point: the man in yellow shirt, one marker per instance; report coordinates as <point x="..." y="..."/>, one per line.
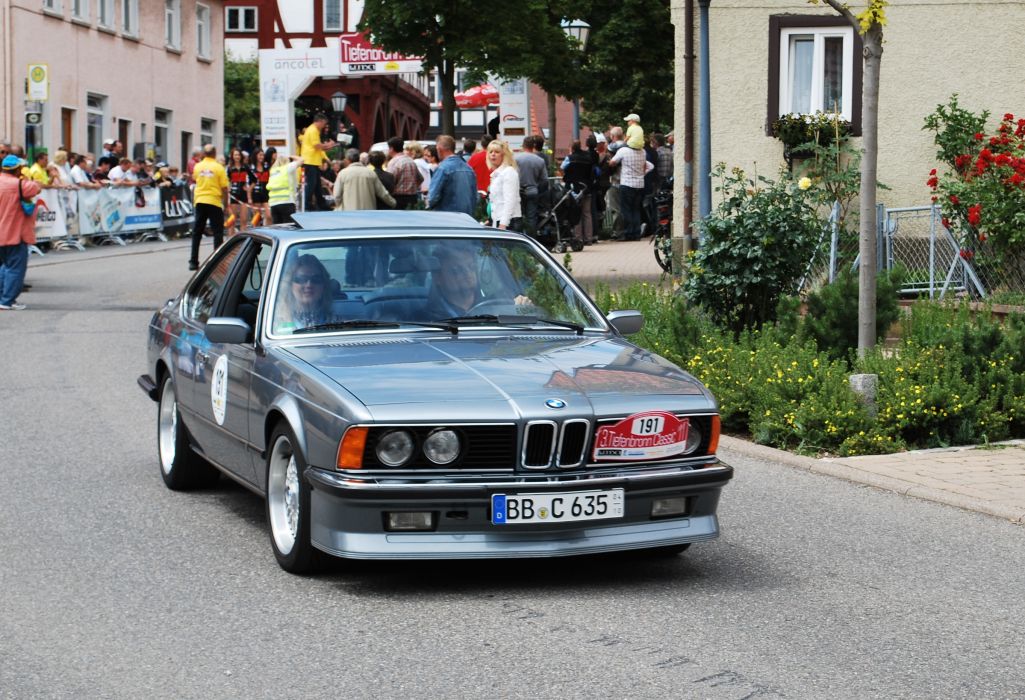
<point x="312" y="151"/>
<point x="210" y="196"/>
<point x="38" y="170"/>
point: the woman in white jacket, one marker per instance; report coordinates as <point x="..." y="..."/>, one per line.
<point x="504" y="190"/>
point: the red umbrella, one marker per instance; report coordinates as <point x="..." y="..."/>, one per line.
<point x="479" y="96"/>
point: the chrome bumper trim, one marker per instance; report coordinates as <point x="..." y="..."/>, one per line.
<point x="321" y="478"/>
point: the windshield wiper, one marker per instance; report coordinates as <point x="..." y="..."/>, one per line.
<point x="368" y="323"/>
<point x="512" y="320"/>
<point x="341" y="325"/>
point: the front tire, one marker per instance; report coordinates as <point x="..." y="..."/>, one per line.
<point x="288" y="505"/>
<point x="664" y="253"/>
<point x="180" y="467"/>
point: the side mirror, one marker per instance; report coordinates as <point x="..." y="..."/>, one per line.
<point x="627" y="322"/>
<point x="231" y="331"/>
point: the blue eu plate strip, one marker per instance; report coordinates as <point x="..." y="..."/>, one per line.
<point x="498" y="508"/>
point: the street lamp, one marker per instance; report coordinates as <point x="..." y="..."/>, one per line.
<point x="338" y="101"/>
<point x="578" y="30"/>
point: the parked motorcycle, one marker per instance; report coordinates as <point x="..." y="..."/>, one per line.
<point x="662" y="238"/>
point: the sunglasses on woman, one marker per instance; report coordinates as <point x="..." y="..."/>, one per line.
<point x="303" y="279"/>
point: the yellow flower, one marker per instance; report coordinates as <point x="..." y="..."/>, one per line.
<point x="804" y="183"/>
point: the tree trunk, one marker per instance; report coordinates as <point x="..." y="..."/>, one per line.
<point x="551" y="124"/>
<point x="446" y="74"/>
<point x="868" y="235"/>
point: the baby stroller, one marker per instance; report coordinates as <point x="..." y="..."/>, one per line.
<point x="558" y="213"/>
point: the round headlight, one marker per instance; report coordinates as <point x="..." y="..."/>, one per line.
<point x="442" y="446"/>
<point x="395" y="448"/>
<point x="693" y="439"/>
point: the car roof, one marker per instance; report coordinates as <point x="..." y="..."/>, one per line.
<point x="375" y="221"/>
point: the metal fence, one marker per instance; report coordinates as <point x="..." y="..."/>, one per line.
<point x="937" y="262"/>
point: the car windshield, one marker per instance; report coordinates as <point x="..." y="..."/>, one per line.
<point x="334" y="285"/>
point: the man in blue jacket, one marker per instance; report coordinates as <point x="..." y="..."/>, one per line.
<point x="453" y="184"/>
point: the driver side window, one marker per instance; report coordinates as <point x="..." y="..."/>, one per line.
<point x="202" y="295"/>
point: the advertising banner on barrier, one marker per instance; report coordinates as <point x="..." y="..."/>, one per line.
<point x="116" y="210"/>
<point x="50" y="221"/>
<point x="176" y="208"/>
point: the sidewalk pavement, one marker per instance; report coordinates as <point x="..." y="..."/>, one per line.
<point x="987" y="479"/>
<point x="614" y="263"/>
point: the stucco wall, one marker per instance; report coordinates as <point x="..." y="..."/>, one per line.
<point x="137" y="76"/>
<point x="932" y="50"/>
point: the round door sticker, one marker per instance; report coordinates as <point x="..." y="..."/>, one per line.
<point x="219" y="389"/>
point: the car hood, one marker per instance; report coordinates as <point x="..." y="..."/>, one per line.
<point x="519" y="371"/>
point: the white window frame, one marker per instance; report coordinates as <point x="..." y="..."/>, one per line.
<point x="53" y="7"/>
<point x="105" y="14"/>
<point x="80" y="10"/>
<point x="341" y="16"/>
<point x="95" y="146"/>
<point x="163" y="120"/>
<point x="207" y="129"/>
<point x="130" y="17"/>
<point x="240" y="19"/>
<point x="818" y="34"/>
<point x="204" y="35"/>
<point x="173" y="24"/>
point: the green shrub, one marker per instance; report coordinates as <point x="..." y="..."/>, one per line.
<point x="832" y="316"/>
<point x="755" y="248"/>
<point x="957" y="377"/>
<point x="802" y="400"/>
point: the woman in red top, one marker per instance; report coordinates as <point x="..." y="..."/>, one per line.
<point x="240" y="181"/>
<point x="17" y="231"/>
<point x="260" y="196"/>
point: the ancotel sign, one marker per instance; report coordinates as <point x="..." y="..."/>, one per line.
<point x="300" y="63"/>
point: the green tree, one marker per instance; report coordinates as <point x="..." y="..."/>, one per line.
<point x="629" y="65"/>
<point x="501" y="38"/>
<point x="241" y="97"/>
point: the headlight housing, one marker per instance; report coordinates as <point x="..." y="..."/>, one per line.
<point x="395" y="448"/>
<point x="694" y="438"/>
<point x="442" y="446"/>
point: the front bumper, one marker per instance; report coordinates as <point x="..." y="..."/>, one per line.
<point x="348" y="516"/>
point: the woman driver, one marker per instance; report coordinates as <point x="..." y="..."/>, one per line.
<point x="305" y="299"/>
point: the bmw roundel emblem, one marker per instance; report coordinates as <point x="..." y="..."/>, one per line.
<point x="555" y="403"/>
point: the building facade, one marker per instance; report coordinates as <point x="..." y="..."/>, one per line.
<point x="376" y="108"/>
<point x="406" y="105"/>
<point x="769" y="59"/>
<point x="147" y="72"/>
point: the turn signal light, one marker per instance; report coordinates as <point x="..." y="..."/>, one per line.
<point x="713" y="440"/>
<point x="350" y="449"/>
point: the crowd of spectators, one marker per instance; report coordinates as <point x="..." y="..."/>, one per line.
<point x="615" y="172"/>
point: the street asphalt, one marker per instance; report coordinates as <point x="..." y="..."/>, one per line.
<point x="987" y="479"/>
<point x="113" y="586"/>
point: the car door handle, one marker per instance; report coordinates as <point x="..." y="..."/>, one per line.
<point x="202" y="356"/>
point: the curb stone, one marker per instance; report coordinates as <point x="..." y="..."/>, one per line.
<point x="827" y="467"/>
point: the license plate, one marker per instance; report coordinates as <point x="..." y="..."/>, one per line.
<point x="509" y="509"/>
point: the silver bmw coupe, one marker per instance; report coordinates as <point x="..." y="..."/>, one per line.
<point x="413" y="385"/>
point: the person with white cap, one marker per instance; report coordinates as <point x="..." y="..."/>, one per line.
<point x="108" y="149"/>
<point x="634" y="132"/>
<point x="17" y="230"/>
